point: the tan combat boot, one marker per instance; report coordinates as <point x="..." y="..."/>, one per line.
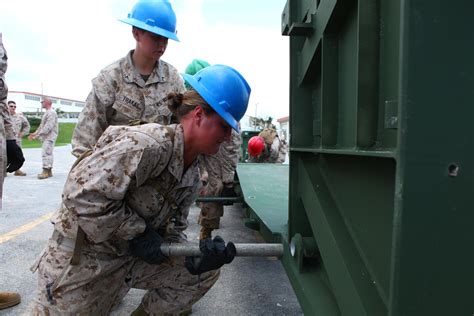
<point x="45" y="174"/>
<point x="50" y="172"/>
<point x="9" y="299"/>
<point x="205" y="233"/>
<point x="20" y="173"/>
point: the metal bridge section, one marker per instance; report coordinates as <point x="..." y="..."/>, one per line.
<point x="381" y="176"/>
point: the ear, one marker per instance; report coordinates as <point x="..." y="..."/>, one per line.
<point x="137" y="33"/>
<point x="198" y="115"/>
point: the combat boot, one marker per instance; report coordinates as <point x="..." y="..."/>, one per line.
<point x="50" y="172"/>
<point x="20" y="173"/>
<point x="205" y="233"/>
<point x="45" y="174"/>
<point x="9" y="299"/>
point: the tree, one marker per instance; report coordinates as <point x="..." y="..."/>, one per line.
<point x="59" y="111"/>
<point x="261" y="123"/>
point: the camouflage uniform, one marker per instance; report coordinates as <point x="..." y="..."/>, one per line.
<point x="275" y="148"/>
<point x="135" y="177"/>
<point x="119" y="95"/>
<point x="220" y="169"/>
<point x="6" y="125"/>
<point x="47" y="133"/>
<point x="21" y="125"/>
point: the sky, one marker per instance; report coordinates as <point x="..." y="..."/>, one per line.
<point x="57" y="47"/>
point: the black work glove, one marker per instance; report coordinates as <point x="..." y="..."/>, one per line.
<point x="228" y="190"/>
<point x="15" y="157"/>
<point x="147" y="247"/>
<point x="214" y="254"/>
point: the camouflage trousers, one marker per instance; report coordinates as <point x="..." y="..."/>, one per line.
<point x="47" y="153"/>
<point x="98" y="283"/>
<point x="211" y="213"/>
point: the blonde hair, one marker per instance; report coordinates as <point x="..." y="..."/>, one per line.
<point x="181" y="104"/>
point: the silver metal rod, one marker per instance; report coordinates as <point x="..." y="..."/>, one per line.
<point x="243" y="250"/>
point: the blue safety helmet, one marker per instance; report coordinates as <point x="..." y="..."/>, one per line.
<point x="224" y="89"/>
<point x="155" y="16"/>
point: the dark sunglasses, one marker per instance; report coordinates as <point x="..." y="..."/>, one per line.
<point x="12" y="106"/>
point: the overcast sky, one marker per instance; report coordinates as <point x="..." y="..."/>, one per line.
<point x="58" y="46"/>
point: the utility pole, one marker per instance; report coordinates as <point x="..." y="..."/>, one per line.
<point x="256" y="120"/>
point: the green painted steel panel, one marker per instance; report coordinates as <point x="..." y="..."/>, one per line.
<point x="265" y="190"/>
<point x="381" y="178"/>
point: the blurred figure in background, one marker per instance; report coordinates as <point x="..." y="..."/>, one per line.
<point x="21" y="127"/>
<point x="267" y="147"/>
<point x="7" y="142"/>
<point x="47" y="133"/>
<point x="217" y="172"/>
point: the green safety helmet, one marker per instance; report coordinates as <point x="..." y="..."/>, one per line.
<point x="195" y="66"/>
<point x="224" y="89"/>
<point x="155" y="16"/>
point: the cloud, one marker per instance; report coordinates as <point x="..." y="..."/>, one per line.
<point x="261" y="54"/>
<point x="59" y="46"/>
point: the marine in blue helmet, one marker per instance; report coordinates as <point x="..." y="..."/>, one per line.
<point x="136" y="86"/>
<point x="130" y="195"/>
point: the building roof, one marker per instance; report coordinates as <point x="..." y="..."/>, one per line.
<point x="283" y="119"/>
<point x="29" y="102"/>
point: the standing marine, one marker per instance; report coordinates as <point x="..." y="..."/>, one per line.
<point x="21" y="127"/>
<point x="47" y="133"/>
<point x="135" y="87"/>
<point x="11" y="157"/>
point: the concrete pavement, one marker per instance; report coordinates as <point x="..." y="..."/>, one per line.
<point x="248" y="286"/>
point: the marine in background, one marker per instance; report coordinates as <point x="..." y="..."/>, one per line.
<point x="135" y="87"/>
<point x="21" y="126"/>
<point x="267" y="147"/>
<point x="10" y="158"/>
<point x="47" y="133"/>
<point x="217" y="172"/>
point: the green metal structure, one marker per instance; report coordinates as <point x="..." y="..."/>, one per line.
<point x="380" y="213"/>
<point x="266" y="197"/>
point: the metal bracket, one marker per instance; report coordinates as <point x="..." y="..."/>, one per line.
<point x="300" y="29"/>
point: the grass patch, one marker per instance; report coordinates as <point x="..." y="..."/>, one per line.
<point x="64" y="137"/>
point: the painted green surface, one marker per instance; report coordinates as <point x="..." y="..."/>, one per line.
<point x="265" y="190"/>
<point x="381" y="175"/>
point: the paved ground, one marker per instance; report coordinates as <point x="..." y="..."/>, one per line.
<point x="249" y="286"/>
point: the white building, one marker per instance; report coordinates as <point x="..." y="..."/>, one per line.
<point x="284" y="130"/>
<point x="30" y="104"/>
